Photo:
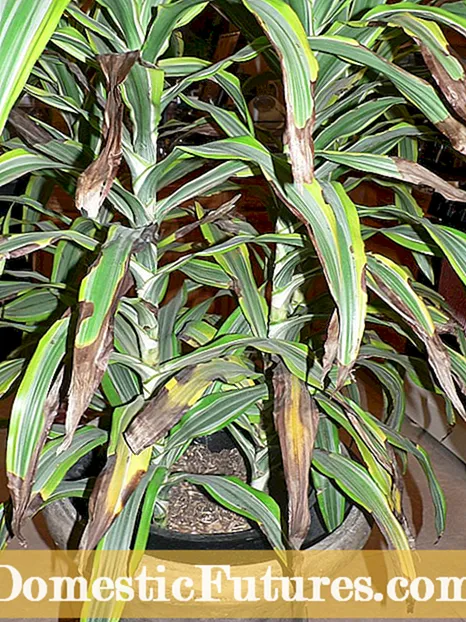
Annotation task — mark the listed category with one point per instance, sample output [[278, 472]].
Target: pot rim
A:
[[62, 518]]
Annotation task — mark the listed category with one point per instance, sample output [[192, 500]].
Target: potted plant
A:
[[126, 346]]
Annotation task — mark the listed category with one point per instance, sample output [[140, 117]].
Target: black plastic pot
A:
[[253, 539], [64, 521]]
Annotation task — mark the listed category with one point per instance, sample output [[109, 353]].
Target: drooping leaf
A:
[[443, 61], [34, 409], [119, 537], [95, 182], [391, 283], [296, 418], [416, 90], [396, 168], [113, 488], [442, 15], [99, 294], [300, 70], [369, 440], [354, 480], [392, 383], [438, 497]]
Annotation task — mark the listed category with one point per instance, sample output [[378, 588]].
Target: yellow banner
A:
[[233, 584]]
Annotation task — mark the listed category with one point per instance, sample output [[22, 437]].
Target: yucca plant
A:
[[139, 364]]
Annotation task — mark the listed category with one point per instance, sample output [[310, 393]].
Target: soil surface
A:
[[190, 510]]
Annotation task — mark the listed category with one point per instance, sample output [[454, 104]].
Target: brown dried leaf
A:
[[454, 90], [331, 344], [301, 148], [90, 362], [414, 173], [95, 182], [113, 487], [296, 419], [438, 355], [20, 490], [299, 139], [29, 131], [163, 411]]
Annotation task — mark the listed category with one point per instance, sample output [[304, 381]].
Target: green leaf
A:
[[99, 27], [237, 264], [32, 415], [356, 482], [241, 498], [354, 121], [167, 316], [369, 440], [331, 502], [145, 114], [53, 467], [25, 28], [79, 488], [19, 162], [395, 168], [4, 533], [67, 256], [10, 370], [453, 244], [438, 14], [351, 298], [31, 307], [157, 477], [126, 18], [19, 244], [197, 187], [392, 283], [409, 237], [215, 411], [73, 42], [417, 91], [392, 383], [207, 273], [169, 17], [226, 119]]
